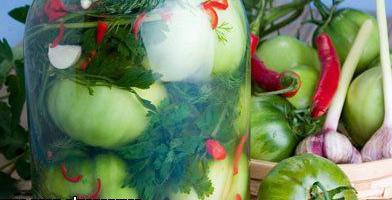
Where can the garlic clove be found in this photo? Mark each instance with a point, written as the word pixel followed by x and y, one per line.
pixel 312 144
pixel 85 4
pixel 377 147
pixel 338 148
pixel 64 56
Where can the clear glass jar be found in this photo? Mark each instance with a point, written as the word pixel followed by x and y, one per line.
pixel 138 99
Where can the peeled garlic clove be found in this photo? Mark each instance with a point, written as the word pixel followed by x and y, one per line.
pixel 64 56
pixel 85 4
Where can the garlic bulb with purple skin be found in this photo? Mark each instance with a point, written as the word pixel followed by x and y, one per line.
pixel 329 143
pixel 380 144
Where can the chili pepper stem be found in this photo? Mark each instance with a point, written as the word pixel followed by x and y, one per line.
pixel 348 70
pixel 385 63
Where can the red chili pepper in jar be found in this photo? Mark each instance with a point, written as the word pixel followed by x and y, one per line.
pixel 138 23
pixel 329 79
pixel 54 9
pixel 286 83
pixel 209 8
pixel 215 149
pixel 64 172
pixel 102 28
pixel 59 37
pixel 95 194
pixel 254 42
pixel 238 153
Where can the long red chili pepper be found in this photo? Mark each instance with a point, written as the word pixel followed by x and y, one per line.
pixel 74 179
pixel 96 193
pixel 102 28
pixel 213 16
pixel 54 9
pixel 215 149
pixel 329 79
pixel 209 7
pixel 254 42
pixel 238 153
pixel 238 197
pixel 59 37
pixel 286 83
pixel 136 26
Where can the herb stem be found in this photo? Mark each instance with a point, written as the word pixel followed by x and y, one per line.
pixel 221 118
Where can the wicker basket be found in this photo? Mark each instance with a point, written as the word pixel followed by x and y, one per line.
pixel 373 180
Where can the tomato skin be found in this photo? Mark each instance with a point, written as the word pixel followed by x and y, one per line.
pixel 292 179
pixel 285 52
pixel 364 96
pixel 309 77
pixel 272 138
pixel 343 29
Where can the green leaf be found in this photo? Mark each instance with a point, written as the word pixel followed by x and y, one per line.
pixel 8 186
pixel 5 51
pixel 137 77
pixel 15 87
pixel 20 13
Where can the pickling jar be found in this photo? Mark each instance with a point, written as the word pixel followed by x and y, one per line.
pixel 143 99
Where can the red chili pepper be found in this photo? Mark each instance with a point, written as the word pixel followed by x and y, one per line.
pixel 238 153
pixel 96 193
pixel 238 197
pixel 136 26
pixel 88 60
pixel 75 179
pixel 102 27
pixel 213 16
pixel 329 79
pixel 59 37
pixel 254 42
pixel 219 4
pixel 54 9
pixel 286 83
pixel 215 149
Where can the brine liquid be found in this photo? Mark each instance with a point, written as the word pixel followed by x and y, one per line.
pixel 138 101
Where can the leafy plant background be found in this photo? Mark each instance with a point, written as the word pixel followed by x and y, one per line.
pixel 14 143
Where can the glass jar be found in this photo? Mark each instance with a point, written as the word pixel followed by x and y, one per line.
pixel 140 99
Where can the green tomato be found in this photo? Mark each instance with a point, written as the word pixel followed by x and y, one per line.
pixel 240 183
pixel 293 178
pixel 343 30
pixel 230 51
pixel 112 172
pixel 309 77
pixel 110 169
pixel 272 137
pixel 241 124
pixel 364 107
pixel 285 52
pixel 109 117
pixel 54 185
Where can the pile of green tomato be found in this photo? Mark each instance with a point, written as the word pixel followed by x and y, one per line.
pixel 274 137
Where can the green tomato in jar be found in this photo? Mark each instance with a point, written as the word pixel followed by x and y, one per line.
pixel 108 168
pixel 285 52
pixel 231 38
pixel 241 124
pixel 309 77
pixel 226 185
pixel 293 178
pixel 54 185
pixel 105 117
pixel 363 111
pixel 112 171
pixel 272 137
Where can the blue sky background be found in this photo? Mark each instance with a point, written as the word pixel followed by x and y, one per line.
pixel 13 31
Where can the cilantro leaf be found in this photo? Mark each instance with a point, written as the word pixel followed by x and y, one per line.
pixel 20 13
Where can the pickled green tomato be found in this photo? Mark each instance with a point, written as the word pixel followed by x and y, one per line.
pixel 309 77
pixel 241 124
pixel 230 52
pixel 364 107
pixel 112 172
pixel 285 52
pixel 108 118
pixel 293 178
pixel 226 185
pixel 54 185
pixel 110 169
